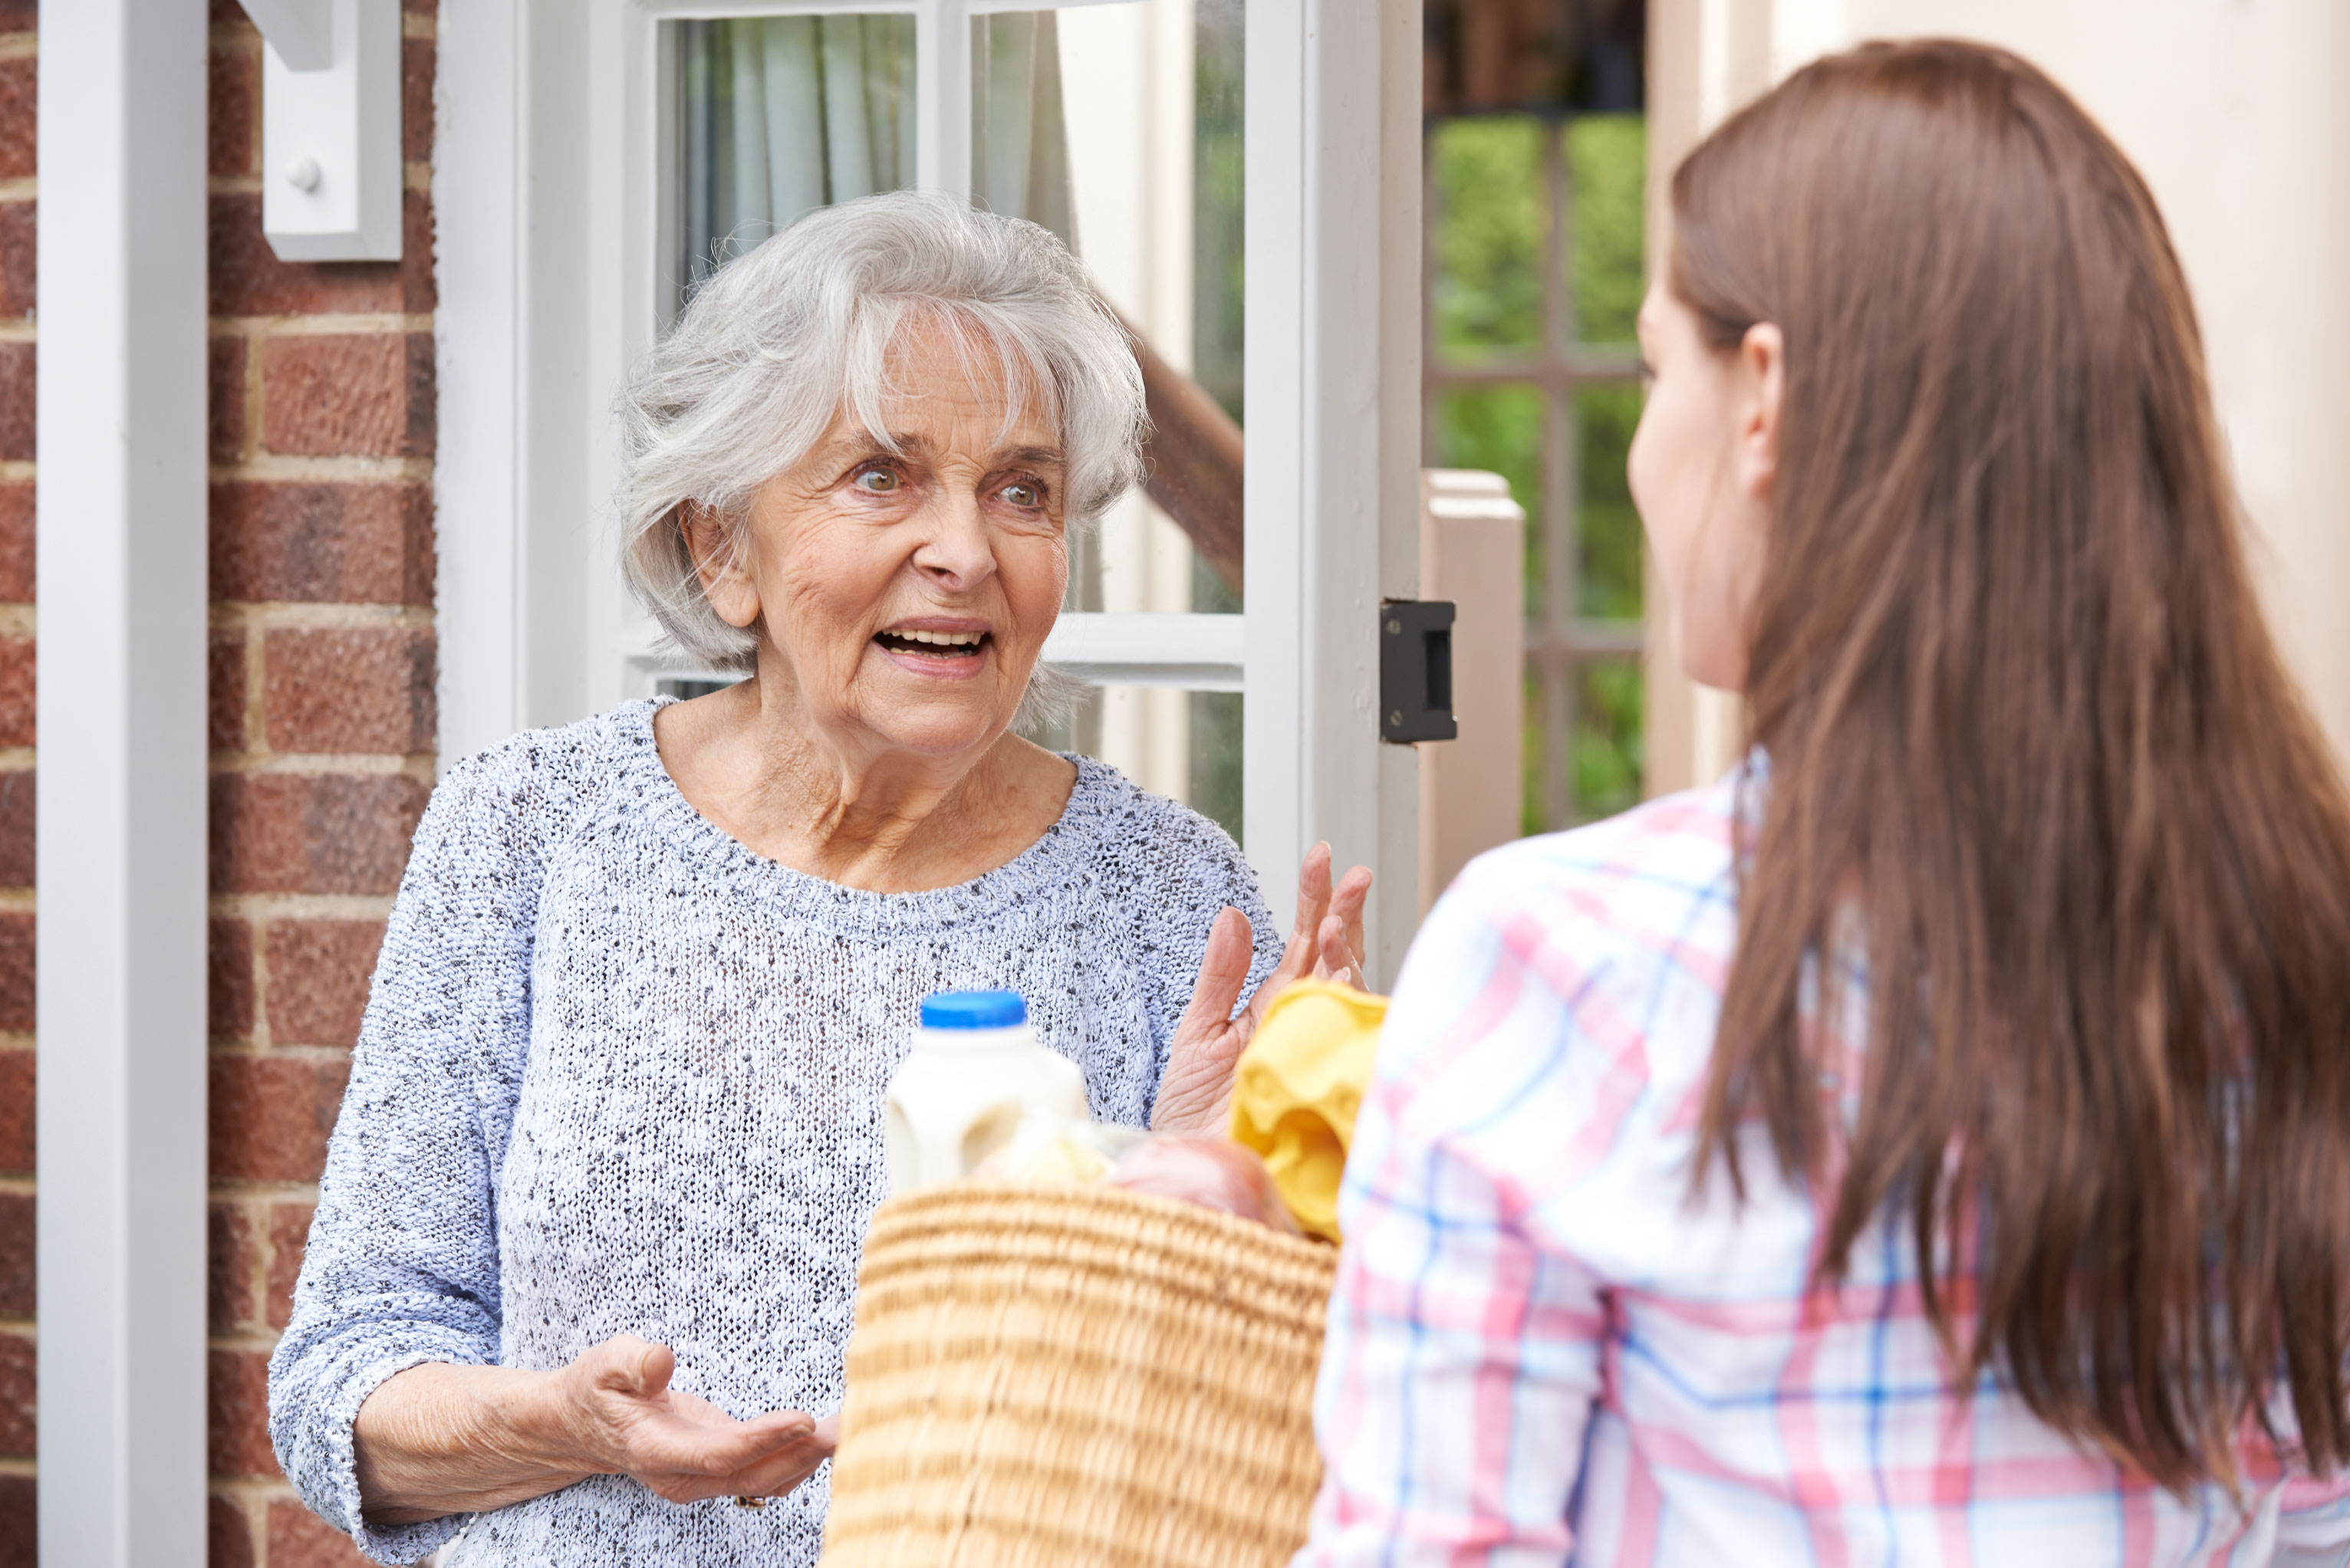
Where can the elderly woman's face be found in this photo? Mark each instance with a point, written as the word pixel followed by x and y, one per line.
pixel 906 595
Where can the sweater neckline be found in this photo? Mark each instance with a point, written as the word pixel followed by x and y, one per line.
pixel 1048 862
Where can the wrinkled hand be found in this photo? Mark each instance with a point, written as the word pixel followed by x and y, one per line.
pixel 683 1447
pixel 1326 942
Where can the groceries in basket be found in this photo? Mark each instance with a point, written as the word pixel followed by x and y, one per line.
pixel 1082 1346
pixel 980 1095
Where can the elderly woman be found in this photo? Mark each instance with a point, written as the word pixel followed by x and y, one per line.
pixel 585 1254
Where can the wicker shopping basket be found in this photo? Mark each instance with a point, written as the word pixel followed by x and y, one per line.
pixel 1049 1377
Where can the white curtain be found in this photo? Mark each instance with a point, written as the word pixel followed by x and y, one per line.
pixel 784 114
pixel 779 115
pixel 1019 140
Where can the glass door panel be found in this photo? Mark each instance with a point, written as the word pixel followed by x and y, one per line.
pixel 1152 95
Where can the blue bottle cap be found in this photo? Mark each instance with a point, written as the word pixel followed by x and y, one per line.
pixel 973 1010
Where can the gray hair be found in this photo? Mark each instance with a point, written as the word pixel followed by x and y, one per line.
pixel 780 338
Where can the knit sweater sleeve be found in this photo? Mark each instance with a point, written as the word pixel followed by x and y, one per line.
pixel 402 1266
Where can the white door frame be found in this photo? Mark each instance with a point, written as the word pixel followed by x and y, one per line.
pixel 549 265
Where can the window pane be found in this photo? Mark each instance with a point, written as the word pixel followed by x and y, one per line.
pixel 777 115
pixel 1019 144
pixel 1151 93
pixel 1216 758
pixel 1218 201
pixel 1607 168
pixel 1150 99
pixel 1184 745
pixel 1499 428
pixel 1606 751
pixel 1490 211
pixel 1608 529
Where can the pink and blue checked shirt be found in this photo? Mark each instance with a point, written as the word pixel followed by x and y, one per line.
pixel 1541 1352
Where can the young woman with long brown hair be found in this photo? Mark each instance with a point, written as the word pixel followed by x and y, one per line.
pixel 1932 1143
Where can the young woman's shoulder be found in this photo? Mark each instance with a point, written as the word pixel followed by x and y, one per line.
pixel 1603 951
pixel 1646 879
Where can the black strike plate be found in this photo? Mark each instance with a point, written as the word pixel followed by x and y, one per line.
pixel 1416 672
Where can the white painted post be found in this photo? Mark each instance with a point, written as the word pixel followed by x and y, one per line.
pixel 1332 492
pixel 120 848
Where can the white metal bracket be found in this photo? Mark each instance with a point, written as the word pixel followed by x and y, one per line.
pixel 330 127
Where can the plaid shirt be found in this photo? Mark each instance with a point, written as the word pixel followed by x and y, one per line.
pixel 1543 1349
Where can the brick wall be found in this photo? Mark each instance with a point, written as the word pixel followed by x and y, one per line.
pixel 18 66
pixel 322 727
pixel 321 724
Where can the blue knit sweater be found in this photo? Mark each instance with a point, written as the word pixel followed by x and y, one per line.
pixel 620 1074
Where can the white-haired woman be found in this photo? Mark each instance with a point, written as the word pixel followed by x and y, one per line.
pixel 582 1269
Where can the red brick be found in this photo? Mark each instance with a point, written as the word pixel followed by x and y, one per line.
pixel 15 690
pixel 226 397
pixel 322 543
pixel 19 114
pixel 229 13
pixel 18 226
pixel 416 100
pixel 234 106
pixel 289 1233
pixel 228 1267
pixel 359 689
pixel 224 690
pixel 15 1254
pixel 299 832
pixel 16 399
pixel 20 1495
pixel 347 395
pixel 229 971
pixel 17 543
pixel 247 279
pixel 271 1115
pixel 16 1401
pixel 318 977
pixel 229 1535
pixel 15 1112
pixel 418 292
pixel 17 971
pixel 240 1414
pixel 17 789
pixel 300 1539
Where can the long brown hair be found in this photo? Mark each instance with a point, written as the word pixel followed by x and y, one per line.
pixel 2029 740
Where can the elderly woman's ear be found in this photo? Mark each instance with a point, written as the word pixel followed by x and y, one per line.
pixel 721 557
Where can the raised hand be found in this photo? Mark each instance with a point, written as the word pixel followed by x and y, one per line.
pixel 1326 942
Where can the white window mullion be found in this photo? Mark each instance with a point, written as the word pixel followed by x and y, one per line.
pixel 1192 652
pixel 943 95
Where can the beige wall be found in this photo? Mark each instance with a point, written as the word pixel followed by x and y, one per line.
pixel 2238 113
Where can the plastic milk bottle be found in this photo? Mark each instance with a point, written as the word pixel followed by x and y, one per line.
pixel 976 1072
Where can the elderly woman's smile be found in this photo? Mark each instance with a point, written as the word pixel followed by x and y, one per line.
pixel 936 648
